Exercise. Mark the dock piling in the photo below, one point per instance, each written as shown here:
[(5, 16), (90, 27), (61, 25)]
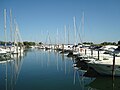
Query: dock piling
[(98, 54), (113, 68)]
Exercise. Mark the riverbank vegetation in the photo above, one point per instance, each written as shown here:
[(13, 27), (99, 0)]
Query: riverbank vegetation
[(28, 44)]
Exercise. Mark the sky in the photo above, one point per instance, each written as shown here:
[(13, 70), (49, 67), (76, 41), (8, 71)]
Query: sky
[(40, 19)]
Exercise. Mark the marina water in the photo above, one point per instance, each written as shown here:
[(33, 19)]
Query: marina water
[(38, 69)]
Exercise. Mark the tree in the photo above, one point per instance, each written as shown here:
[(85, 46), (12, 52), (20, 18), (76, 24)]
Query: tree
[(40, 43), (28, 44), (108, 43), (89, 43), (118, 44)]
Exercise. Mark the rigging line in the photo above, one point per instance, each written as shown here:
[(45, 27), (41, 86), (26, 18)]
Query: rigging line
[(79, 36), (18, 34), (49, 39), (74, 23), (46, 38), (78, 30)]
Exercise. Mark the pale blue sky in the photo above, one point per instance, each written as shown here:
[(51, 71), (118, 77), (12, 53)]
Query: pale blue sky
[(37, 17)]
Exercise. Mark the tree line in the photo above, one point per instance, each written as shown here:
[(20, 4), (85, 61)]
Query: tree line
[(27, 43), (101, 44)]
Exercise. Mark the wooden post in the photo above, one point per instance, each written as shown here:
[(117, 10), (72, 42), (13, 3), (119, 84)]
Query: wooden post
[(85, 51), (98, 55), (113, 68), (91, 52)]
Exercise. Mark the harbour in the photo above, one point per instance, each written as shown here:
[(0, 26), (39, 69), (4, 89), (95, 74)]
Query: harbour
[(59, 45), (50, 70)]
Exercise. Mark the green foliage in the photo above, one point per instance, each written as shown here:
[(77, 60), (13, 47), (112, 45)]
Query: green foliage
[(19, 44), (40, 43), (89, 43), (119, 45), (26, 43), (79, 44), (108, 43), (2, 43)]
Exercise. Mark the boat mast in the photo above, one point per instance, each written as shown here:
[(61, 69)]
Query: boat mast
[(83, 23), (74, 29), (15, 33), (11, 24), (18, 34), (68, 34), (5, 27), (65, 35), (57, 35)]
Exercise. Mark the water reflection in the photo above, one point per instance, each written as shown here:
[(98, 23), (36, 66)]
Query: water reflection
[(10, 70), (105, 83), (79, 77), (95, 81), (49, 70)]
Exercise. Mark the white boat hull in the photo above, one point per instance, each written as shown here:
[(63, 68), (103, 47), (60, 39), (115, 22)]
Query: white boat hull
[(105, 69)]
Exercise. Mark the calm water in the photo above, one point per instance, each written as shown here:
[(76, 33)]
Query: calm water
[(49, 70)]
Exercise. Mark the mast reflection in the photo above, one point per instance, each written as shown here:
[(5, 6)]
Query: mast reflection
[(11, 68)]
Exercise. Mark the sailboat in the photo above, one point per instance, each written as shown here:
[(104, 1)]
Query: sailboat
[(4, 49), (48, 46), (18, 46), (105, 67)]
